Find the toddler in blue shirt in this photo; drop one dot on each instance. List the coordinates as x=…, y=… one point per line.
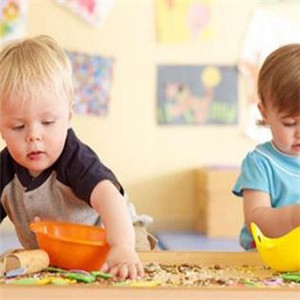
x=270, y=175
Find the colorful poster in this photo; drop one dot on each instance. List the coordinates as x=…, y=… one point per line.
x=266, y=32
x=180, y=21
x=92, y=76
x=197, y=95
x=92, y=11
x=12, y=19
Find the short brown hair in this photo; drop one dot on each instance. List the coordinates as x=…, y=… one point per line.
x=279, y=80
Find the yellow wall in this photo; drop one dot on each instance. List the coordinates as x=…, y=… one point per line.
x=154, y=163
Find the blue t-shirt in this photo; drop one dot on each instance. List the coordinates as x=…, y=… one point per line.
x=268, y=170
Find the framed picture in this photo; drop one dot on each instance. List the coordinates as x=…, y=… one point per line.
x=197, y=95
x=92, y=76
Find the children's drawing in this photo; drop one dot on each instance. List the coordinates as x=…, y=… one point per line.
x=197, y=95
x=184, y=21
x=266, y=33
x=92, y=11
x=92, y=76
x=12, y=19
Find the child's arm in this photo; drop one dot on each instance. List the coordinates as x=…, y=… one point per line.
x=273, y=222
x=122, y=260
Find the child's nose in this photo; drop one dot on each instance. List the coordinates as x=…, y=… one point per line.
x=33, y=135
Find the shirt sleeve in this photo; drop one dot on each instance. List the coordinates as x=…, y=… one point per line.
x=86, y=171
x=254, y=175
x=80, y=168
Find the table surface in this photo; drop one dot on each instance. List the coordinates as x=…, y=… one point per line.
x=52, y=292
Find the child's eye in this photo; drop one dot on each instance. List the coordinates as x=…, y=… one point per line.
x=18, y=127
x=288, y=124
x=47, y=122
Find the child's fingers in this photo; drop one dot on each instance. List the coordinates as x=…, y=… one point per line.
x=105, y=267
x=140, y=269
x=127, y=270
x=132, y=271
x=123, y=271
x=114, y=270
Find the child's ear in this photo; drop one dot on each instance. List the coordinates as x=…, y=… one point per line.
x=263, y=112
x=70, y=113
x=70, y=117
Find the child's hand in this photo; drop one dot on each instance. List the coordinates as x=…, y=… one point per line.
x=123, y=262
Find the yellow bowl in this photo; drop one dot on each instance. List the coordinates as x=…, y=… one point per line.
x=282, y=253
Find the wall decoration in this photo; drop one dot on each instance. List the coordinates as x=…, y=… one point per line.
x=180, y=21
x=92, y=80
x=265, y=33
x=12, y=19
x=197, y=95
x=92, y=11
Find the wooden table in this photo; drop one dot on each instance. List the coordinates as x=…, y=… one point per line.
x=82, y=292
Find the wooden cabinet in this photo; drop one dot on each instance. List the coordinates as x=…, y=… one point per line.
x=219, y=212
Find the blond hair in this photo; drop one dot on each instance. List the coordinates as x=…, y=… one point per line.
x=279, y=80
x=33, y=67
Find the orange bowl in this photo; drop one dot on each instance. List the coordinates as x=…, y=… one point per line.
x=70, y=245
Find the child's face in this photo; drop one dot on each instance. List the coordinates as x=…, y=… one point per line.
x=285, y=130
x=35, y=133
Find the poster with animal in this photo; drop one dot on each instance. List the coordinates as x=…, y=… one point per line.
x=197, y=95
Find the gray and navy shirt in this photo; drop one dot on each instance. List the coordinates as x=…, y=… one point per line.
x=61, y=192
